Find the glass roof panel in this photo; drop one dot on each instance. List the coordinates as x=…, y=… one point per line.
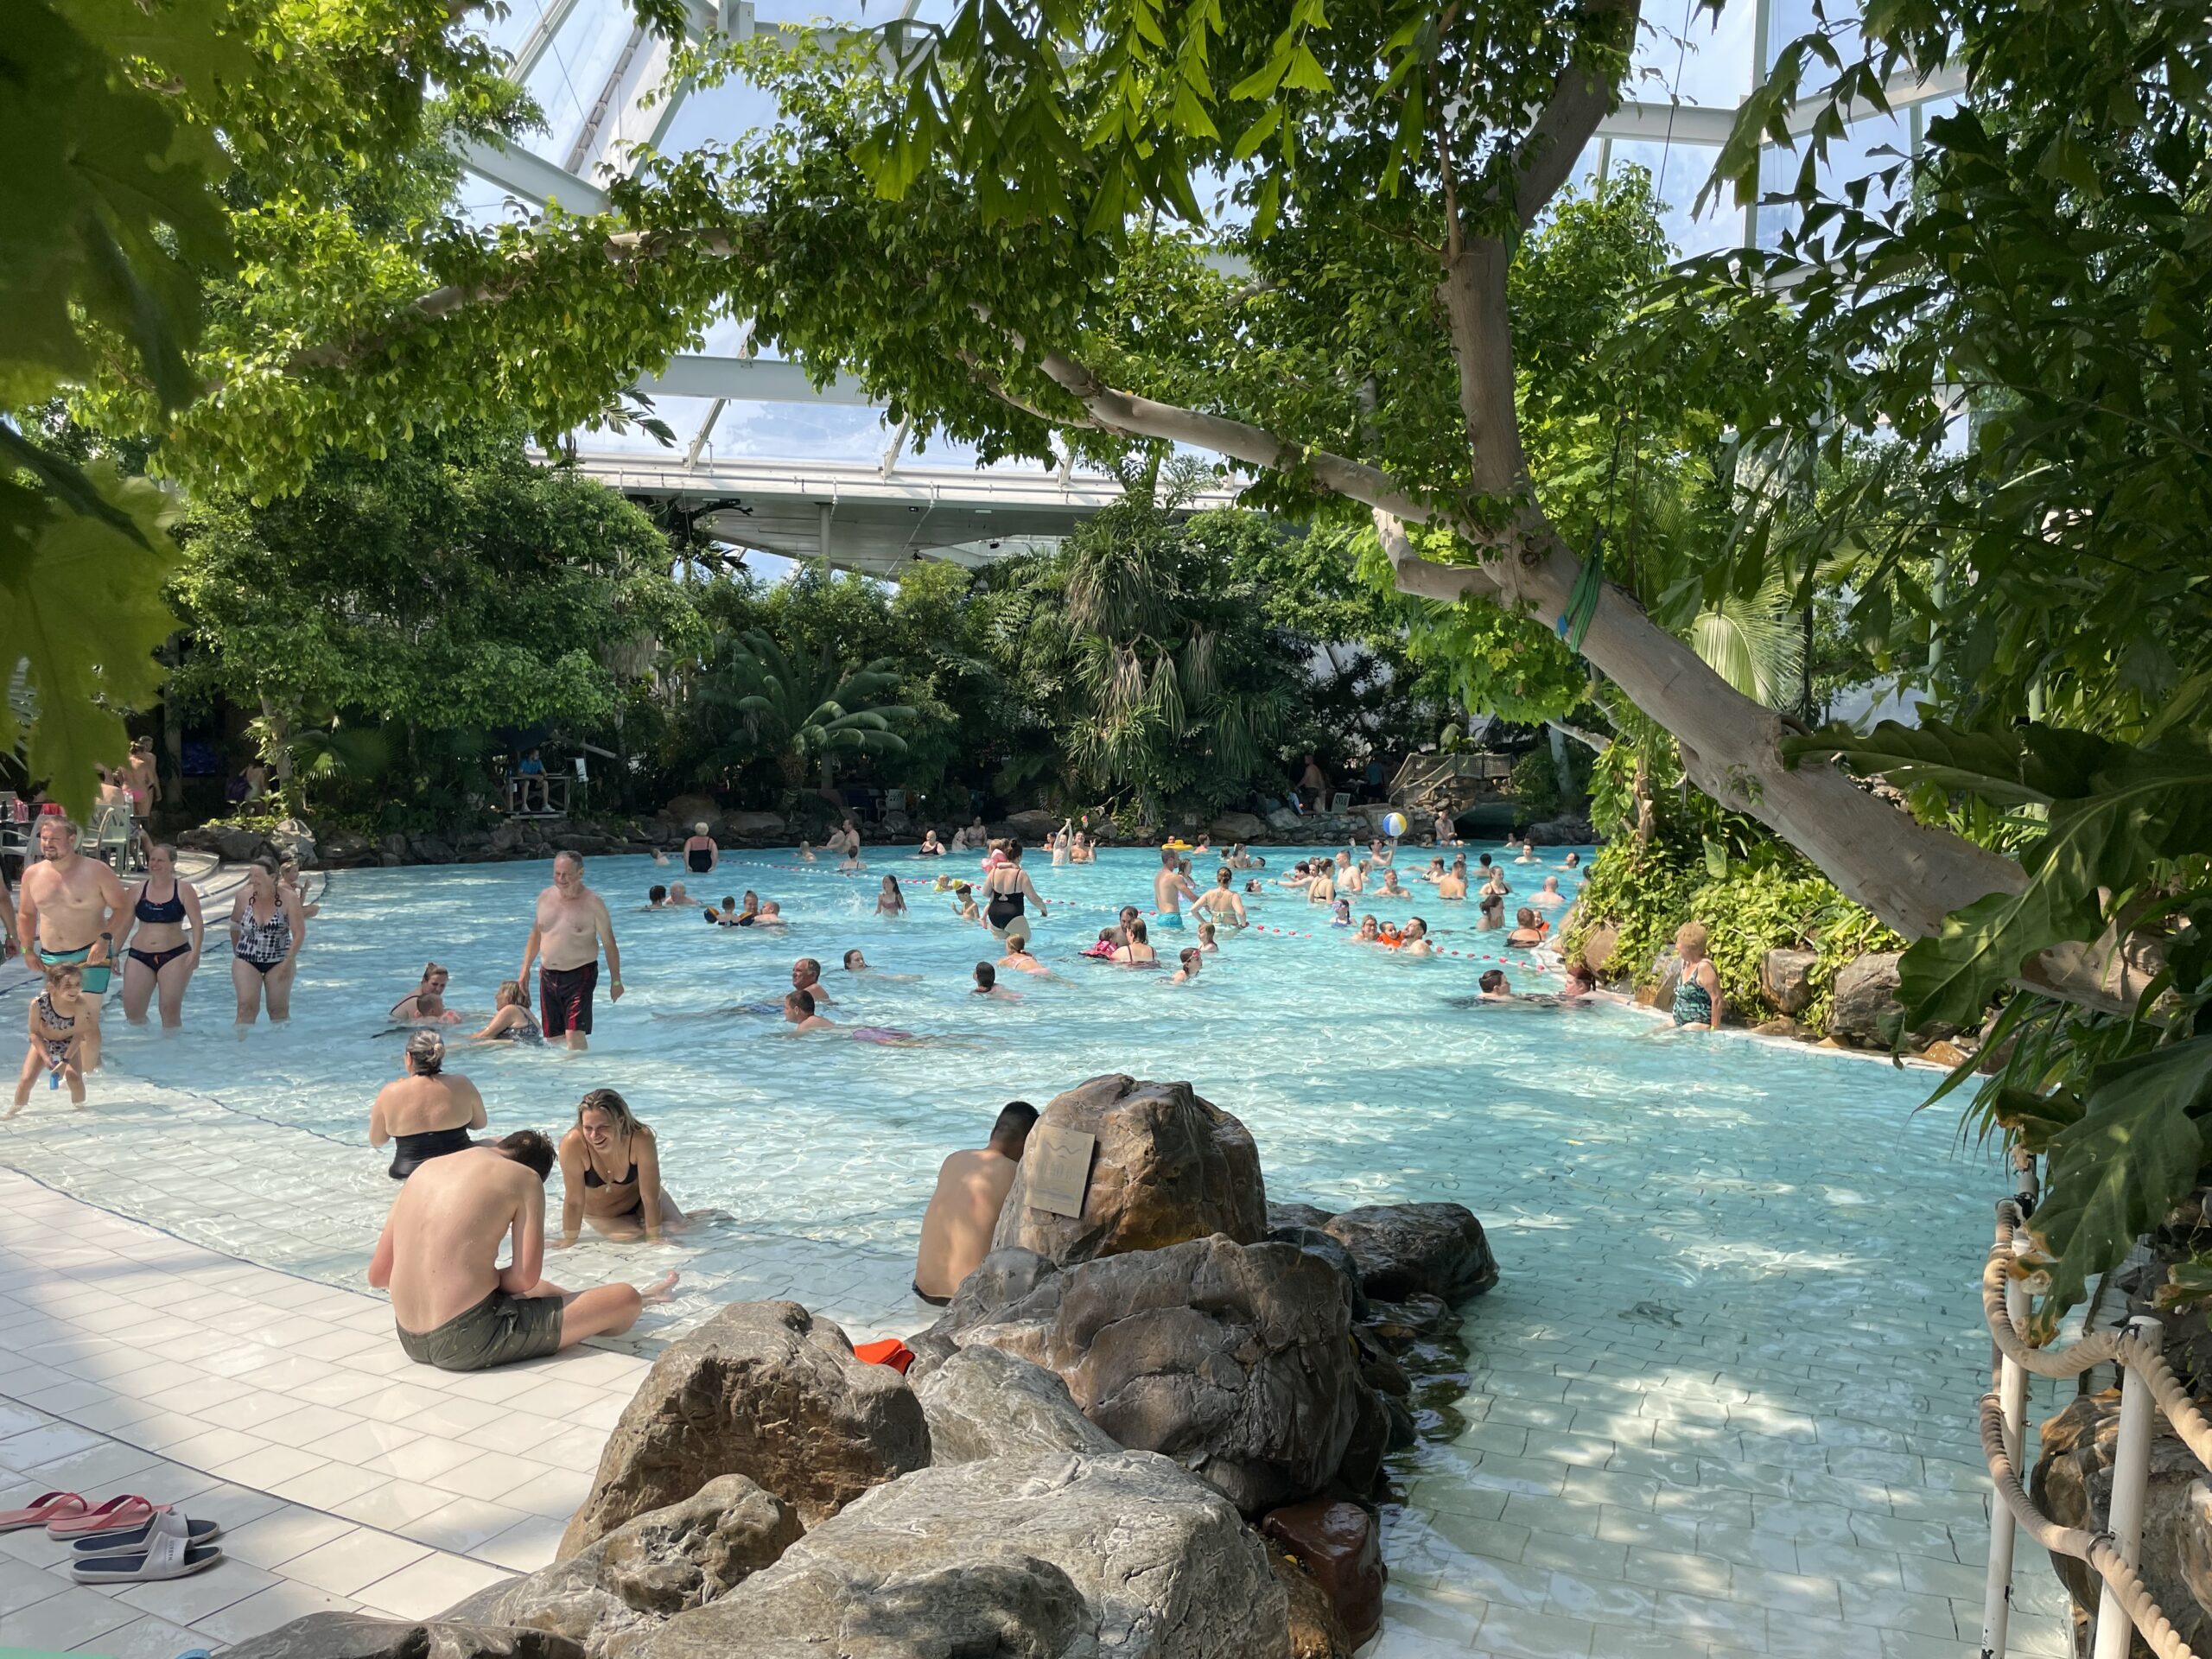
x=567, y=80
x=1684, y=51
x=718, y=115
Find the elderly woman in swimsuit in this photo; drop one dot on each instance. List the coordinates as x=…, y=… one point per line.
x=266, y=928
x=610, y=1175
x=427, y=1110
x=1010, y=890
x=157, y=954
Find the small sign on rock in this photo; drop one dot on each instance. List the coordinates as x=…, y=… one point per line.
x=1058, y=1171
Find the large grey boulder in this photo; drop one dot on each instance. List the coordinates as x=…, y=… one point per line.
x=1786, y=979
x=1002, y=1281
x=1048, y=1557
x=983, y=1402
x=1232, y=827
x=1864, y=1008
x=1168, y=1167
x=1314, y=1241
x=1405, y=1249
x=1235, y=1360
x=2072, y=1484
x=762, y=1390
x=357, y=1636
x=1297, y=1215
x=620, y=1590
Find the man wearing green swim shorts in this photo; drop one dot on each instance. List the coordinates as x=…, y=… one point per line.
x=67, y=911
x=454, y=1305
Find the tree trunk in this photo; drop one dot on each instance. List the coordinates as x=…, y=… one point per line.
x=1911, y=875
x=280, y=755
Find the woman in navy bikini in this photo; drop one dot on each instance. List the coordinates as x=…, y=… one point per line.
x=158, y=955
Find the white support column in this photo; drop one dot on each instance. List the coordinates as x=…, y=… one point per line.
x=822, y=509
x=2131, y=1481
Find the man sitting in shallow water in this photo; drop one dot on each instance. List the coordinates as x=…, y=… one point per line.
x=963, y=1212
x=455, y=1306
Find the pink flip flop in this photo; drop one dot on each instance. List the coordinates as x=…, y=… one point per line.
x=117, y=1515
x=46, y=1507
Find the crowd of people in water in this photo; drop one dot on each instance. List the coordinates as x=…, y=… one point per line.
x=464, y=1197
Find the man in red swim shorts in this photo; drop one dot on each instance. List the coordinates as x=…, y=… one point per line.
x=571, y=927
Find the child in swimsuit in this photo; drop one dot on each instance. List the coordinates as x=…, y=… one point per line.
x=57, y=1038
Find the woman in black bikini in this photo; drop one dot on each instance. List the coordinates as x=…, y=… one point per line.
x=610, y=1175
x=426, y=1111
x=266, y=928
x=1008, y=886
x=159, y=955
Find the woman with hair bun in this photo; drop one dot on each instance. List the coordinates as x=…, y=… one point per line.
x=428, y=1111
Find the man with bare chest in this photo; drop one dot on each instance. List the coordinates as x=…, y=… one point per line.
x=565, y=938
x=67, y=913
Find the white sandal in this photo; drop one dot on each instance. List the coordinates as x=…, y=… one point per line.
x=168, y=1552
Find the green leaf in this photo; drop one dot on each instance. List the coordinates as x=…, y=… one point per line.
x=2113, y=1175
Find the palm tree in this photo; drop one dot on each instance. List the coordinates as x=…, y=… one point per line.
x=805, y=711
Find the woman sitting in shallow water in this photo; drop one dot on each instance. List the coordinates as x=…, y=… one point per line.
x=427, y=1111
x=610, y=1175
x=427, y=1001
x=511, y=1021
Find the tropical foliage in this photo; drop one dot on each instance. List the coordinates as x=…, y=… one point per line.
x=804, y=712
x=398, y=619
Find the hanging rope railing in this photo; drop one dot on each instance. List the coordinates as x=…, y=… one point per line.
x=2147, y=1385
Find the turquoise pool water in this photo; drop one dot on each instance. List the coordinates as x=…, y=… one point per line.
x=1353, y=1066
x=1721, y=1400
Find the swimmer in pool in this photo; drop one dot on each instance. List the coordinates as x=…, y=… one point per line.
x=1192, y=960
x=1321, y=885
x=1342, y=916
x=1415, y=941
x=1170, y=888
x=1528, y=853
x=806, y=976
x=1252, y=886
x=1490, y=913
x=748, y=914
x=1574, y=861
x=656, y=897
x=806, y=852
x=1219, y=902
x=1548, y=894
x=987, y=983
x=1018, y=959
x=889, y=901
x=1495, y=987
x=512, y=1020
x=963, y=904
x=770, y=914
x=677, y=899
x=1353, y=879
x=857, y=964
x=1529, y=930
x=1206, y=940
x=798, y=1012
x=1581, y=985
x=1135, y=950
x=1102, y=949
x=1370, y=932
x=1391, y=889
x=1435, y=870
x=1453, y=884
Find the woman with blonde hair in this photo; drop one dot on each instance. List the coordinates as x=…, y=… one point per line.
x=511, y=1021
x=266, y=929
x=610, y=1175
x=1697, y=996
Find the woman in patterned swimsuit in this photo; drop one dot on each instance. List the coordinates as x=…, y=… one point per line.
x=265, y=930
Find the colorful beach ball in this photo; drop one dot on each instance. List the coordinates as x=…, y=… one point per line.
x=1394, y=825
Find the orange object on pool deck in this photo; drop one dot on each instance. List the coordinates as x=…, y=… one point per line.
x=890, y=1351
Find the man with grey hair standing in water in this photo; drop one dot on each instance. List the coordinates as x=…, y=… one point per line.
x=571, y=925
